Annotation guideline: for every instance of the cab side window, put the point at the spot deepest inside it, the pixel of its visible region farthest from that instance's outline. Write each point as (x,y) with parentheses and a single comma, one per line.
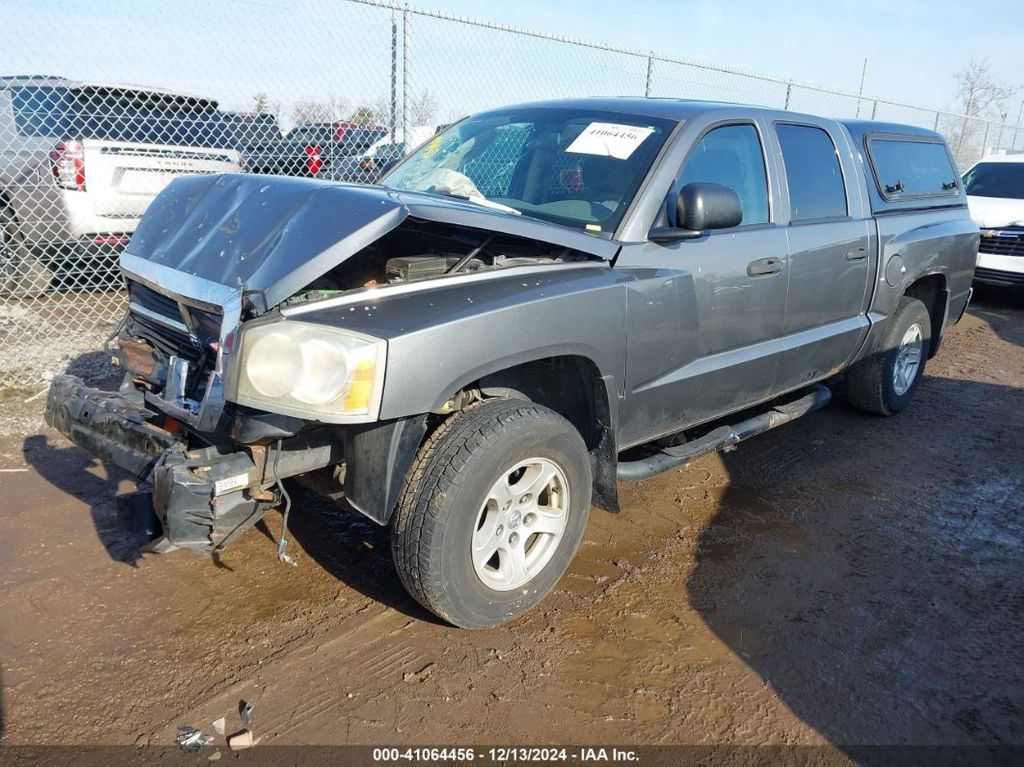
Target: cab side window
(816,188)
(732,156)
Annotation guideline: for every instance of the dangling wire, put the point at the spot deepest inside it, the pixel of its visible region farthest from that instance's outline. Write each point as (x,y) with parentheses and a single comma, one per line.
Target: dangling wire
(282,543)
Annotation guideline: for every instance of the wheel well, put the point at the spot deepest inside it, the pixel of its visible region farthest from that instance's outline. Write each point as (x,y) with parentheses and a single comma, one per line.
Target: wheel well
(573,387)
(931,291)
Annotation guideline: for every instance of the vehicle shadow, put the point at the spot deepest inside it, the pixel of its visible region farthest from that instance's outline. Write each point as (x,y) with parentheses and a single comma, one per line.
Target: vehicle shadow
(872,576)
(73,471)
(1002,309)
(353,549)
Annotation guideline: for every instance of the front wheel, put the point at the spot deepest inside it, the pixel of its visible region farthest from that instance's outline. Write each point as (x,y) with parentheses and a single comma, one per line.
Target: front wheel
(492,512)
(885,382)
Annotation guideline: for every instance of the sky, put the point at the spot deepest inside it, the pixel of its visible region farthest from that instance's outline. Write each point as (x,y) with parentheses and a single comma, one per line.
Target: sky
(335,50)
(913,47)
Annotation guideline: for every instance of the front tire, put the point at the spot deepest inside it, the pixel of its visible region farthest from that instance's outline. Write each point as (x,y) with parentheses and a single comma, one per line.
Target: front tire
(492,512)
(885,382)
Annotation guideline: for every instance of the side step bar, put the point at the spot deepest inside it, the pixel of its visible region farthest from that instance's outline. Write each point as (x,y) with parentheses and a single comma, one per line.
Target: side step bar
(722,438)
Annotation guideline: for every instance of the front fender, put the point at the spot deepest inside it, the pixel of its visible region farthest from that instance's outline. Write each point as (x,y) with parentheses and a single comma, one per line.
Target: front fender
(445,336)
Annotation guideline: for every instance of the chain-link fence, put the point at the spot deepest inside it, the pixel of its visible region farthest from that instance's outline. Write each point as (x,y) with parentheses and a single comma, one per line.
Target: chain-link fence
(332,89)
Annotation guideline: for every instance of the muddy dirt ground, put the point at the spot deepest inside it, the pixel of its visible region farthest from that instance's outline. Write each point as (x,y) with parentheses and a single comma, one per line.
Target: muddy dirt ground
(844,580)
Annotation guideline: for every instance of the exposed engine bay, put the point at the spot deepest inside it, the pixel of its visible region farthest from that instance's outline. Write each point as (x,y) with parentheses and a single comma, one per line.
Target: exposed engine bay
(425,250)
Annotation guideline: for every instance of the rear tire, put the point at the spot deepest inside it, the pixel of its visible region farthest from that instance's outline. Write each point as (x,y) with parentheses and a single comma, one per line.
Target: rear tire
(492,512)
(22,275)
(885,382)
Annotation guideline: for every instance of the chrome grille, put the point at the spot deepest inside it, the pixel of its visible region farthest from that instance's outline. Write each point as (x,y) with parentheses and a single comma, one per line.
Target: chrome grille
(160,320)
(1002,242)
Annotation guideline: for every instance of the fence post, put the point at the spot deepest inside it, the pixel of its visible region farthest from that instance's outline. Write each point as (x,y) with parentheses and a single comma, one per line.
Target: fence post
(936,128)
(963,129)
(874,109)
(1020,113)
(984,141)
(406,70)
(393,123)
(999,141)
(789,92)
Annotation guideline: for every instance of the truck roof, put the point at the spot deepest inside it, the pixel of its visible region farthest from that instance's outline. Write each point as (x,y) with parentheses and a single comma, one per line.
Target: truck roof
(56,81)
(1002,158)
(686,109)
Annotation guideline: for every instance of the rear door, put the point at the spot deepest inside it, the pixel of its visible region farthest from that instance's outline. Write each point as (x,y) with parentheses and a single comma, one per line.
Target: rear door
(831,250)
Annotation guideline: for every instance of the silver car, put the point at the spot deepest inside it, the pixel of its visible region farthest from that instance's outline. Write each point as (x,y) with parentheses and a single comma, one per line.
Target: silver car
(79,164)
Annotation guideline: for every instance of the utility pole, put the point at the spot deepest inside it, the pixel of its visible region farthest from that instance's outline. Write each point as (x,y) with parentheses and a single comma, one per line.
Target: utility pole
(863,76)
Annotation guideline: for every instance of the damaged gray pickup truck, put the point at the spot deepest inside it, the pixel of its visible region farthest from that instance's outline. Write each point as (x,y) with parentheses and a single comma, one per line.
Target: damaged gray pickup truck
(537,303)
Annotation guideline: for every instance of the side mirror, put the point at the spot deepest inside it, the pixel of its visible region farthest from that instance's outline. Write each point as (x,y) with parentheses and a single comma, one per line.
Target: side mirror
(701,207)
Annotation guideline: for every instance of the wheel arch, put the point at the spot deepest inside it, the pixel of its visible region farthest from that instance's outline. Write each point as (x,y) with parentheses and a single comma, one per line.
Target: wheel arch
(379,456)
(932,290)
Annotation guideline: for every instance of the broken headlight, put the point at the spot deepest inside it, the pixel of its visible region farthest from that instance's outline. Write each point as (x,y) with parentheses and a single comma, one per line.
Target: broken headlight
(311,371)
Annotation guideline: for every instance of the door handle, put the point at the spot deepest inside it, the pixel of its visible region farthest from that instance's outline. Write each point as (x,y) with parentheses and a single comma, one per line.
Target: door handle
(856,254)
(764,266)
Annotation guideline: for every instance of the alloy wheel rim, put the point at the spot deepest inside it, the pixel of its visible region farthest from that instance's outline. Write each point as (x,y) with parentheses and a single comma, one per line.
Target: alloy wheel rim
(520,524)
(908,360)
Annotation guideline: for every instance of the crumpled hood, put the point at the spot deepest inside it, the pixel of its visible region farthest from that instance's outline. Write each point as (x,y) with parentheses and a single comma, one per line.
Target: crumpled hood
(994,212)
(275,234)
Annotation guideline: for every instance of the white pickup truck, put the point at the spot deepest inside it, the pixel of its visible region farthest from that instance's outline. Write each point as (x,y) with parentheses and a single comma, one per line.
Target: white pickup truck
(80,163)
(995,194)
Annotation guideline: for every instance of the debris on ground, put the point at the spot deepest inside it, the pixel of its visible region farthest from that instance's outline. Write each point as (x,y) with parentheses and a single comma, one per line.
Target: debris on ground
(220,726)
(245,711)
(241,740)
(191,740)
(419,676)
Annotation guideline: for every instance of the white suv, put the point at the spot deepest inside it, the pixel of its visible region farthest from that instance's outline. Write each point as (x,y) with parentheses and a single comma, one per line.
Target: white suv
(995,193)
(80,162)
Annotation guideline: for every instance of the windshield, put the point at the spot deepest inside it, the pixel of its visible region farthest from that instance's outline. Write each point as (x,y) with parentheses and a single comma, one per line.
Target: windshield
(996,179)
(579,168)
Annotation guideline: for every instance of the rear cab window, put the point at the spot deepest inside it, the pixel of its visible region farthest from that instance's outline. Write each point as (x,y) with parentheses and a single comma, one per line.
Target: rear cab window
(118,114)
(815,179)
(912,168)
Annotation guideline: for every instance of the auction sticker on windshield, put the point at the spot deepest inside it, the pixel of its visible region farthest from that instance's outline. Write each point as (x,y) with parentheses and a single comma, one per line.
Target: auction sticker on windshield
(609,140)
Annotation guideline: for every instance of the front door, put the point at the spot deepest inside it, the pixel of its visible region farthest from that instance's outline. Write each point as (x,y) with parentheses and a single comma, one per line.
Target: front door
(705,314)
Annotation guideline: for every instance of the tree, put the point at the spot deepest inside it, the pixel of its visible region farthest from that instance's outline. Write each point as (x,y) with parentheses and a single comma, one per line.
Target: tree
(311,111)
(981,97)
(422,108)
(363,115)
(260,103)
(980,93)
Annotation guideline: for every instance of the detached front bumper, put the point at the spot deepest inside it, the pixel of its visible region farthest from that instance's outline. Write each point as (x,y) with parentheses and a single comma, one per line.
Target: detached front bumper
(203,497)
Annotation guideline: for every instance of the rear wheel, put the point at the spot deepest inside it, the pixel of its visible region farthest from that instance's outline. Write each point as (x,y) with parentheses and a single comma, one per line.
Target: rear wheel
(22,275)
(885,382)
(492,512)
